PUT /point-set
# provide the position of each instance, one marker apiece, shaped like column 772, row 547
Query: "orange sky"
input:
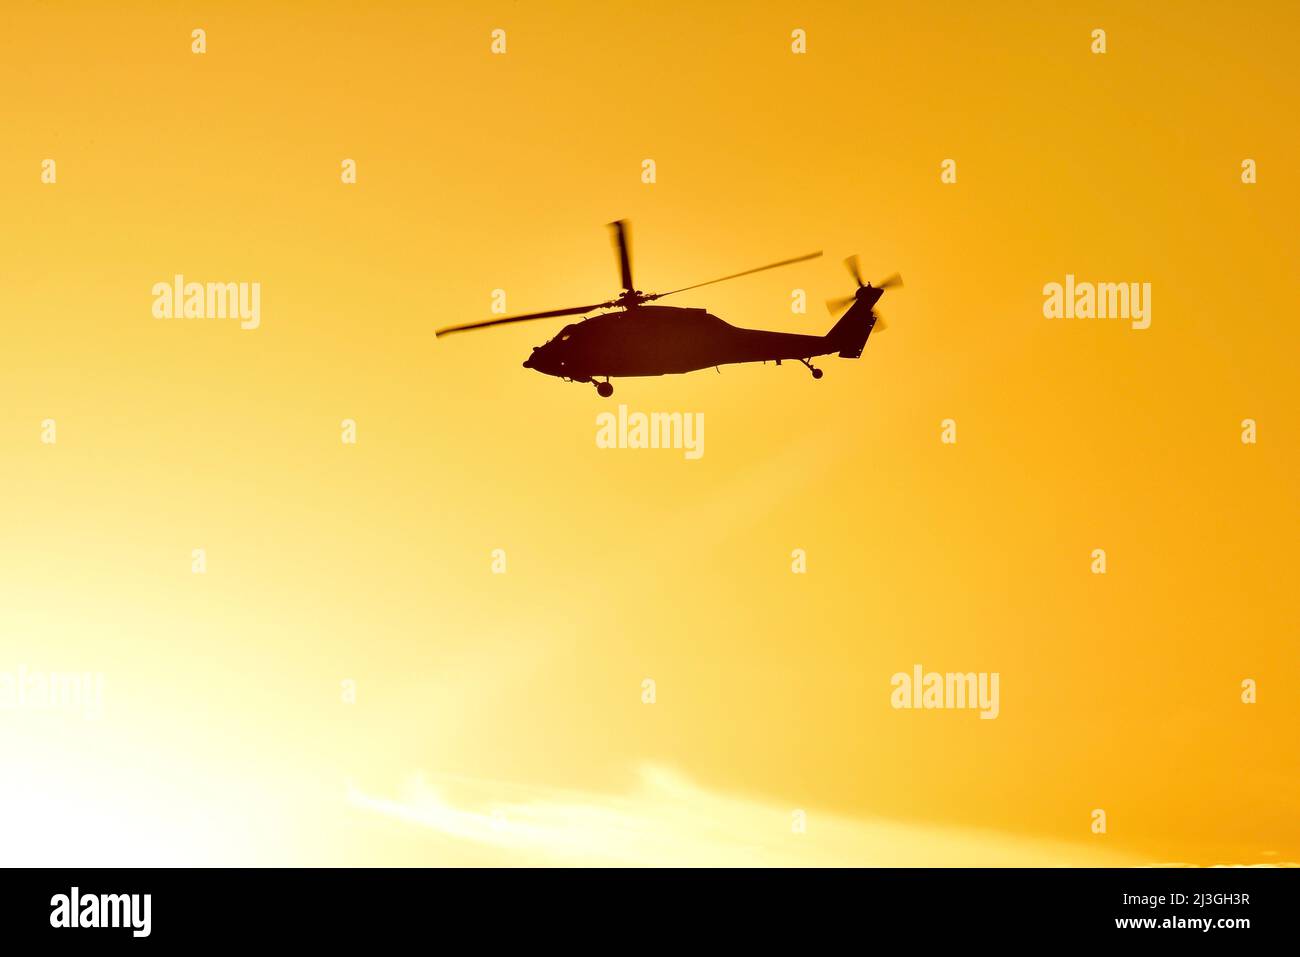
column 224, row 737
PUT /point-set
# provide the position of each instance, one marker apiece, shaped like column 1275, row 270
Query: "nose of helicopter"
column 528, row 363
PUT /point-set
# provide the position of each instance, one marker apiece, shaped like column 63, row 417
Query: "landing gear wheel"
column 817, row 373
column 604, row 389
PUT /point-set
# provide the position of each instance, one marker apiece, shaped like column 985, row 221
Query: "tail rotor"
column 865, row 292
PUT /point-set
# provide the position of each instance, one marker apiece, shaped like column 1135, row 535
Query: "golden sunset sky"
column 499, row 717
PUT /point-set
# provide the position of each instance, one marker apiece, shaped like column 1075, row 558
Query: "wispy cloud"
column 667, row 820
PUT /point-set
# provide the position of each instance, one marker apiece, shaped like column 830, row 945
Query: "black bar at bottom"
column 1167, row 907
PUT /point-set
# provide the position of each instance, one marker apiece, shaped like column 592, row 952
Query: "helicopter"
column 638, row 339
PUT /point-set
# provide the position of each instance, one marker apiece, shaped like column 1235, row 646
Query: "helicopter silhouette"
column 643, row 340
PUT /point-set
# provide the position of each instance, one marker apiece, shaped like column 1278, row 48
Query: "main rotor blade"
column 852, row 265
column 620, row 228
column 576, row 310
column 890, row 282
column 747, row 272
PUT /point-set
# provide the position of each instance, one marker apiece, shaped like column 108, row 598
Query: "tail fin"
column 850, row 334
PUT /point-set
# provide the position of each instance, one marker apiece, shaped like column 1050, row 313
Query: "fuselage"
column 661, row 340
